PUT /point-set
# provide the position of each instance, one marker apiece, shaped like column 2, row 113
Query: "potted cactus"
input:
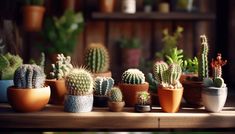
column 79, row 97
column 96, row 59
column 133, row 81
column 8, row 64
column 102, row 87
column 115, row 102
column 143, row 102
column 170, row 90
column 60, row 70
column 215, row 92
column 29, row 93
column 107, row 6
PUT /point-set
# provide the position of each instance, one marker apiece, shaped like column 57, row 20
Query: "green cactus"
column 29, row 76
column 97, row 58
column 133, row 76
column 8, row 64
column 208, row 82
column 103, row 85
column 218, row 82
column 203, row 59
column 115, row 95
column 158, row 68
column 153, row 84
column 62, row 67
column 143, row 98
column 79, row 82
column 172, row 75
column 175, row 56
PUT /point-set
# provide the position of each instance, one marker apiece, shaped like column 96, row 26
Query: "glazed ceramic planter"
column 107, row 6
column 100, row 101
column 143, row 108
column 170, row 99
column 4, row 84
column 116, row 106
column 129, row 6
column 28, row 100
column 130, row 91
column 214, row 98
column 77, row 104
column 104, row 74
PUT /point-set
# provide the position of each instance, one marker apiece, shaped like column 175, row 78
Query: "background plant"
column 40, row 62
column 129, row 42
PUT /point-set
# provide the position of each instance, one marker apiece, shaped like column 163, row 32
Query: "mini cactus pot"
column 143, row 108
column 116, row 106
column 4, row 84
column 100, row 101
column 107, row 6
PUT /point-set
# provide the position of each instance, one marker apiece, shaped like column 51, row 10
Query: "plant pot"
column 77, row 104
column 105, row 74
column 148, row 8
column 170, row 99
column 131, row 57
column 164, row 7
column 182, row 5
column 116, row 106
column 100, row 101
column 192, row 93
column 143, row 108
column 130, row 91
column 129, row 6
column 28, row 100
column 107, row 6
column 33, row 18
column 58, row 91
column 4, row 84
column 184, row 76
column 214, row 98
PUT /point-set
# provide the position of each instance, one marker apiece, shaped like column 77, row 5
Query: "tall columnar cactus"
column 62, row 67
column 97, row 58
column 133, row 76
column 8, row 64
column 172, row 75
column 103, row 85
column 79, row 82
column 115, row 95
column 203, row 59
column 29, row 76
column 158, row 68
column 217, row 65
column 143, row 98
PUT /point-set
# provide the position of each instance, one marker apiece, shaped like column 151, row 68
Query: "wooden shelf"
column 154, row 16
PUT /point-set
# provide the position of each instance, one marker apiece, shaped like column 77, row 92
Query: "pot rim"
column 23, row 89
column 126, row 84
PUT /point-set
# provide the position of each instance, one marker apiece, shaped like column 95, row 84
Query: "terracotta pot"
column 58, row 91
column 131, row 57
column 107, row 6
column 116, row 106
column 186, row 75
column 100, row 101
column 28, row 100
column 130, row 91
column 170, row 99
column 192, row 93
column 4, row 84
column 214, row 98
column 143, row 108
column 105, row 74
column 33, row 18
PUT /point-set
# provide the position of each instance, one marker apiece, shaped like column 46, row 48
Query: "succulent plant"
column 103, row 85
column 79, row 82
column 175, row 56
column 203, row 59
column 133, row 76
column 217, row 64
column 29, row 76
column 190, row 65
column 97, row 58
column 158, row 68
column 62, row 67
column 8, row 64
column 143, row 98
column 115, row 95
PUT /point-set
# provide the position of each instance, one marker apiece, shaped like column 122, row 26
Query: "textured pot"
column 100, row 101
column 214, row 98
column 129, row 6
column 143, row 108
column 58, row 91
column 116, row 106
column 4, row 84
column 77, row 104
column 130, row 91
column 170, row 99
column 107, row 6
column 28, row 100
column 104, row 74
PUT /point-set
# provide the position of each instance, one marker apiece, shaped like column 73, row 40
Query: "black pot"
column 100, row 101
column 143, row 108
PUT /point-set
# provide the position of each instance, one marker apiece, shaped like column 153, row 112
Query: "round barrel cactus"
column 103, row 85
column 115, row 95
column 133, row 76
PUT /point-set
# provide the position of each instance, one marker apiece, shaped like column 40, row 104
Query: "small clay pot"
column 105, row 74
column 142, row 108
column 116, row 106
column 28, row 100
column 100, row 101
column 4, row 84
column 107, row 6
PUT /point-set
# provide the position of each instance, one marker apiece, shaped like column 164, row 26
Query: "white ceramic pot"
column 214, row 98
column 129, row 6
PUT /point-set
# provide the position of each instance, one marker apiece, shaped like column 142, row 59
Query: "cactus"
column 97, row 58
column 216, row 82
column 203, row 59
column 171, row 76
column 8, row 64
column 29, row 76
column 143, row 98
column 208, row 82
column 103, row 85
column 133, row 76
column 62, row 67
column 79, row 82
column 152, row 82
column 115, row 95
column 217, row 65
column 158, row 69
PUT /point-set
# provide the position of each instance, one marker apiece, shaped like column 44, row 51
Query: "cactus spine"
column 133, row 76
column 143, row 98
column 29, row 76
column 97, row 58
column 158, row 69
column 203, row 59
column 79, row 82
column 115, row 95
column 103, row 85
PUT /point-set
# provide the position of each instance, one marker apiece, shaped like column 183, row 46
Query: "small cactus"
column 152, row 82
column 115, row 95
column 143, row 98
column 97, row 58
column 29, row 76
column 133, row 76
column 103, row 85
column 158, row 69
column 217, row 65
column 219, row 82
column 79, row 82
column 203, row 59
column 216, row 82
